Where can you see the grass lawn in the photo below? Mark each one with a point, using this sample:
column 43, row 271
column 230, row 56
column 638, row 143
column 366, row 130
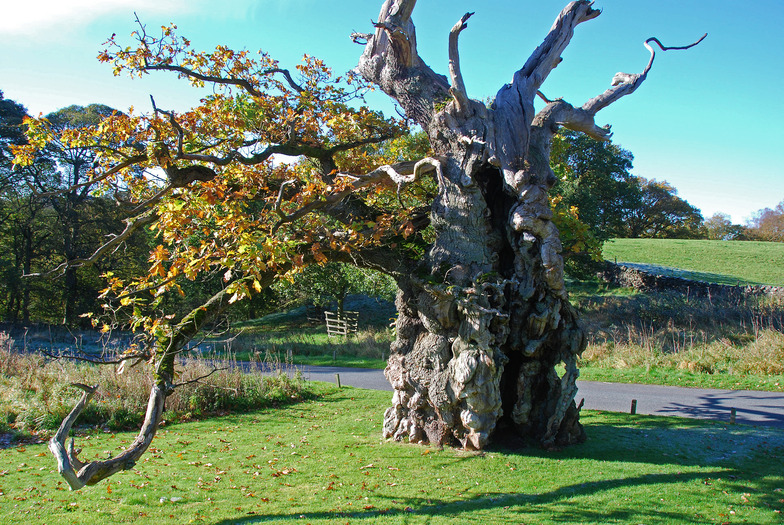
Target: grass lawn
column 324, row 461
column 725, row 262
column 684, row 378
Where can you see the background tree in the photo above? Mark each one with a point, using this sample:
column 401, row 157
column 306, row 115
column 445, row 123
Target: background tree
column 768, row 224
column 69, row 191
column 595, row 177
column 24, row 223
column 719, row 227
column 52, row 214
column 333, row 282
column 660, row 213
column 485, row 332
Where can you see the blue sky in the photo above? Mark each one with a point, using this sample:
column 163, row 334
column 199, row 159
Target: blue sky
column 709, row 120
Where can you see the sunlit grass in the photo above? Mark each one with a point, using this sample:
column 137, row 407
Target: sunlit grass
column 323, row 461
column 724, row 262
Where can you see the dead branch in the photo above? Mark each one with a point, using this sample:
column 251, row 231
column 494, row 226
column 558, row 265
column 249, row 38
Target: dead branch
column 199, row 379
column 116, row 361
column 391, row 54
column 77, row 473
column 625, row 83
column 400, row 173
column 548, row 55
column 458, row 89
column 560, row 113
column 280, row 197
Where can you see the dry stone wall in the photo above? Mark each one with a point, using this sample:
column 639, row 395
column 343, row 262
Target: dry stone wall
column 639, row 279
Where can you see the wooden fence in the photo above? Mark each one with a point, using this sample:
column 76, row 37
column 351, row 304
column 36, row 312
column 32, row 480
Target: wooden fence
column 341, row 324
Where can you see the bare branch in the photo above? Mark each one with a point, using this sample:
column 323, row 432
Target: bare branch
column 458, row 89
column 543, row 97
column 391, row 61
column 116, row 361
column 132, row 225
column 280, row 198
column 561, row 113
column 76, row 472
column 400, row 173
column 198, row 379
column 548, row 55
column 625, row 83
column 361, row 38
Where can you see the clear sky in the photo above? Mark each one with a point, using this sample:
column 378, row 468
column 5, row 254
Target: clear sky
column 709, row 120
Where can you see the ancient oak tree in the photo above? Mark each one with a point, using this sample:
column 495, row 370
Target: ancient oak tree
column 486, row 337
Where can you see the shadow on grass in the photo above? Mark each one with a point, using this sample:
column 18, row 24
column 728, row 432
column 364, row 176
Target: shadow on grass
column 717, row 406
column 736, row 457
column 517, row 507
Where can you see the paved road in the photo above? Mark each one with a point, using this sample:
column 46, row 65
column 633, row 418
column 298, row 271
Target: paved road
column 752, row 407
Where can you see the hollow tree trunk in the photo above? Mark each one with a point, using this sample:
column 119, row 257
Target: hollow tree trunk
column 486, row 336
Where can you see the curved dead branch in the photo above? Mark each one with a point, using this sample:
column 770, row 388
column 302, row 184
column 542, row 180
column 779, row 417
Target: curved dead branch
column 625, row 83
column 458, row 86
column 76, row 472
column 560, row 113
column 400, row 173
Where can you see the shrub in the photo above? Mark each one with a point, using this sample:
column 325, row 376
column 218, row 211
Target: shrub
column 36, row 393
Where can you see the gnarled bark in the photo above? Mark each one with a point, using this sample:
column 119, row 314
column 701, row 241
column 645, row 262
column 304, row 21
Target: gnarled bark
column 485, row 333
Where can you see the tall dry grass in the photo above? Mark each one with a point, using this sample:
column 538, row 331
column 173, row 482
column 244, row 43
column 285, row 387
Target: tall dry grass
column 668, row 330
column 36, row 391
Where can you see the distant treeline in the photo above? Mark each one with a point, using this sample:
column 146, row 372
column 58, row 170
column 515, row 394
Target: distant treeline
column 53, row 218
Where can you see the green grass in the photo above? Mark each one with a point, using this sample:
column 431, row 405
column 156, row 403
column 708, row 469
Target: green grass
column 289, row 337
column 684, row 378
column 634, row 337
column 324, row 462
column 724, row 262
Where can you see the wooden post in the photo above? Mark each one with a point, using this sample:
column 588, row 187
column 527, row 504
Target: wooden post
column 634, row 406
column 337, row 379
column 733, row 414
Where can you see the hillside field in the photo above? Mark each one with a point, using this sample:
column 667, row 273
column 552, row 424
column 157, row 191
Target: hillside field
column 725, row 262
